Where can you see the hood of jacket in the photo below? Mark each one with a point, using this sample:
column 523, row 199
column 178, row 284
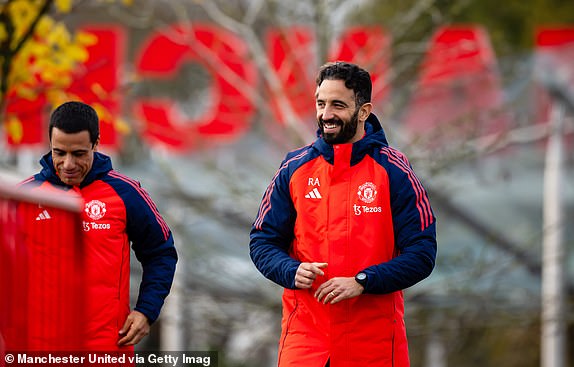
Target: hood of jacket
column 374, row 136
column 100, row 167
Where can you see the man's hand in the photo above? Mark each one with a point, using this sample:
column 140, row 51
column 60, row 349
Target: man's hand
column 307, row 273
column 337, row 289
column 134, row 329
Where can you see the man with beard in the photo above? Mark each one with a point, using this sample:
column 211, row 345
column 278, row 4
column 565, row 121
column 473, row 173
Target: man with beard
column 344, row 226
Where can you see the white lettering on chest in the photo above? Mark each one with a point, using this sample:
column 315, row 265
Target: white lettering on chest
column 313, row 181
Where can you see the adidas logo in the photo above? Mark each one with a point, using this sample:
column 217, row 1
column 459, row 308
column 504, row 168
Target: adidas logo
column 44, row 215
column 313, row 194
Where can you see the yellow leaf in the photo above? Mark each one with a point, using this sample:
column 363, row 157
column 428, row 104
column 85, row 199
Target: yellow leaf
column 63, row 6
column 3, row 33
column 38, row 50
column 43, row 66
column 76, row 53
column 59, row 35
column 14, row 129
column 86, row 38
column 63, row 81
column 101, row 110
column 49, row 75
column 128, row 2
column 27, row 93
column 44, row 26
column 122, row 126
column 98, row 90
column 22, row 13
column 56, row 96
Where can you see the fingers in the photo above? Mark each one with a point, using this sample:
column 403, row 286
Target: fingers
column 307, row 273
column 134, row 329
column 329, row 293
column 330, row 297
column 338, row 289
column 133, row 335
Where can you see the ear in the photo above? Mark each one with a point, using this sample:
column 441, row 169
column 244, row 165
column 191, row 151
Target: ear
column 96, row 144
column 365, row 111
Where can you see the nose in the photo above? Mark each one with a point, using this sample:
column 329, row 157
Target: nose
column 327, row 113
column 69, row 161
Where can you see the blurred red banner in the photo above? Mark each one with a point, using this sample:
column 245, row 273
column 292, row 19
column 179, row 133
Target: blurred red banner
column 458, row 78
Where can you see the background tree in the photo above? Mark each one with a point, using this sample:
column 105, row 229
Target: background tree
column 38, row 54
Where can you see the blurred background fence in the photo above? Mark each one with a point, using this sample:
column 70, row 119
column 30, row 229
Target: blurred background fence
column 42, row 272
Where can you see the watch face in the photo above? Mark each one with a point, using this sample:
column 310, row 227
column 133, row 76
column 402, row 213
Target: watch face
column 361, row 277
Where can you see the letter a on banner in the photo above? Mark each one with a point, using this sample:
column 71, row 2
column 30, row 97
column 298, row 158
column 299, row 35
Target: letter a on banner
column 459, row 90
column 292, row 55
column 368, row 47
column 25, row 121
column 96, row 81
column 230, row 109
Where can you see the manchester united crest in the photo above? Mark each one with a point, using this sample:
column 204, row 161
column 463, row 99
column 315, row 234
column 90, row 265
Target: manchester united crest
column 95, row 209
column 367, row 192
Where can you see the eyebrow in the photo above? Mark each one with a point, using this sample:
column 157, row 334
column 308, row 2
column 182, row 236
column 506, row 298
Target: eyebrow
column 57, row 150
column 335, row 101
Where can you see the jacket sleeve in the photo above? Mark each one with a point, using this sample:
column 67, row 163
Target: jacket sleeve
column 414, row 227
column 153, row 245
column 272, row 232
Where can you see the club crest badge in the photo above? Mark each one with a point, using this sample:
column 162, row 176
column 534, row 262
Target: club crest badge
column 367, row 192
column 95, row 209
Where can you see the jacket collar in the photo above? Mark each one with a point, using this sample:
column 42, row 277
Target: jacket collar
column 102, row 164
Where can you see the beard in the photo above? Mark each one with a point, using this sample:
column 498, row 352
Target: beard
column 346, row 133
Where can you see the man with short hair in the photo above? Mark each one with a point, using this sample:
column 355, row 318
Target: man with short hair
column 344, row 226
column 117, row 212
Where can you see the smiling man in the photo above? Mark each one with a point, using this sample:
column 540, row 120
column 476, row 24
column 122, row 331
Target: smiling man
column 117, row 212
column 73, row 151
column 344, row 226
column 338, row 112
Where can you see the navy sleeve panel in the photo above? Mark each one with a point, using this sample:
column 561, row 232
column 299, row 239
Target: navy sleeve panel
column 152, row 242
column 158, row 272
column 272, row 232
column 414, row 227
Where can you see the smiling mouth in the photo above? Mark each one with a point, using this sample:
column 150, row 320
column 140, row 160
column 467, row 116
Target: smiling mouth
column 331, row 125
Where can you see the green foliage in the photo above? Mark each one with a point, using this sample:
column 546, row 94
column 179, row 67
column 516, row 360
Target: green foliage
column 511, row 24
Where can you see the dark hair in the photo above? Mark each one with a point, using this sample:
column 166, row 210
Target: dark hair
column 74, row 117
column 355, row 78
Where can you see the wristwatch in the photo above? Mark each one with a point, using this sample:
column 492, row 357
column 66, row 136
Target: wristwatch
column 361, row 278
